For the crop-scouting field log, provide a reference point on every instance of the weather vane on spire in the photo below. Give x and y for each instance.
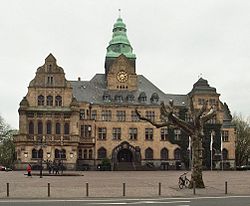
(200, 76)
(119, 13)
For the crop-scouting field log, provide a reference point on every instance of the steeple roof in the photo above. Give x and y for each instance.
(119, 43)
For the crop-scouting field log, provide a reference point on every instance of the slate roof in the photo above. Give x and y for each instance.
(94, 90)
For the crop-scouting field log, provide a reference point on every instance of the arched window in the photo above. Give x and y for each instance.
(225, 154)
(154, 98)
(164, 154)
(85, 154)
(49, 127)
(58, 101)
(57, 153)
(66, 128)
(40, 100)
(31, 127)
(63, 153)
(102, 153)
(40, 127)
(34, 153)
(49, 100)
(40, 153)
(142, 97)
(177, 154)
(58, 128)
(90, 154)
(149, 154)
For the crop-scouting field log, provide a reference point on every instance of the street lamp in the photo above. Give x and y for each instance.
(42, 143)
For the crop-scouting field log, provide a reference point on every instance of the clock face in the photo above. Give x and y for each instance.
(122, 76)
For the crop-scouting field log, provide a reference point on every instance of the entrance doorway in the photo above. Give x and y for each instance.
(124, 155)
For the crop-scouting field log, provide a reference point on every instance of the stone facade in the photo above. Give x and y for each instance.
(81, 123)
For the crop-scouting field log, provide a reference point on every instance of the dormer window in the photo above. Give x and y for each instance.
(142, 97)
(130, 98)
(50, 80)
(154, 98)
(118, 98)
(106, 98)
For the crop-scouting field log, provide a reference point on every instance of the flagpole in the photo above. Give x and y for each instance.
(221, 150)
(190, 153)
(211, 150)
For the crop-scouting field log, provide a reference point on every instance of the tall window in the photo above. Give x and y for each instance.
(116, 133)
(106, 115)
(90, 154)
(121, 116)
(50, 80)
(66, 128)
(82, 114)
(177, 154)
(102, 153)
(134, 117)
(49, 100)
(150, 115)
(85, 154)
(177, 135)
(164, 134)
(40, 100)
(225, 154)
(40, 127)
(149, 153)
(149, 133)
(86, 131)
(102, 133)
(58, 101)
(133, 133)
(49, 127)
(93, 114)
(37, 153)
(164, 154)
(31, 127)
(80, 154)
(60, 154)
(58, 128)
(225, 136)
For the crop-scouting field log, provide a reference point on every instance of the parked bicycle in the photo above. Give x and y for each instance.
(183, 181)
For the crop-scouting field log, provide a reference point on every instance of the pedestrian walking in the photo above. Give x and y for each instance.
(29, 170)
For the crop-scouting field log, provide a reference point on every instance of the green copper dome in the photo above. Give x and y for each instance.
(119, 43)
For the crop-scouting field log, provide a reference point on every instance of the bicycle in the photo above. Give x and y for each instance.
(183, 181)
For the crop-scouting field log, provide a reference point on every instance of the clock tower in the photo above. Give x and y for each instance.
(120, 61)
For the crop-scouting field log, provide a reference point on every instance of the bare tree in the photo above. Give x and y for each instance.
(194, 129)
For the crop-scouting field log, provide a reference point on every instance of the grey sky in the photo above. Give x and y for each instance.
(174, 42)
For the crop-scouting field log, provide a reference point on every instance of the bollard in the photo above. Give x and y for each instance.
(159, 189)
(8, 189)
(194, 187)
(87, 189)
(226, 187)
(48, 189)
(123, 189)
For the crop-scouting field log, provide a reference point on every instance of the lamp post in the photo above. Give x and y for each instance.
(42, 143)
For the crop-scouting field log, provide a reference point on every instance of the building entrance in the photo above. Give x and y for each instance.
(124, 155)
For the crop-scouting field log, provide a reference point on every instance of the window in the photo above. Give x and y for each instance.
(60, 154)
(40, 100)
(58, 101)
(212, 121)
(118, 98)
(66, 128)
(80, 154)
(82, 114)
(177, 135)
(164, 154)
(212, 102)
(150, 115)
(106, 115)
(31, 127)
(149, 153)
(142, 97)
(149, 133)
(116, 133)
(49, 100)
(58, 128)
(90, 154)
(121, 116)
(133, 133)
(40, 128)
(201, 101)
(93, 114)
(102, 133)
(134, 117)
(130, 98)
(164, 134)
(49, 127)
(37, 153)
(225, 136)
(106, 98)
(85, 154)
(188, 117)
(86, 131)
(102, 153)
(225, 154)
(177, 154)
(50, 80)
(154, 98)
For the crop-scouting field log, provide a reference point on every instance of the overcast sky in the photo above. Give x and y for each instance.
(174, 40)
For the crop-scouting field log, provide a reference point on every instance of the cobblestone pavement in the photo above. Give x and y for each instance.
(110, 184)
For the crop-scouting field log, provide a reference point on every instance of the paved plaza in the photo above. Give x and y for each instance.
(110, 184)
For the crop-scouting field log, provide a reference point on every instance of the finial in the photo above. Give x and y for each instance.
(119, 13)
(200, 76)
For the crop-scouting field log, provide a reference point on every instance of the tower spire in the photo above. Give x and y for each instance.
(119, 10)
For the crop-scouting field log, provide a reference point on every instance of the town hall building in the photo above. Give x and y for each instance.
(86, 122)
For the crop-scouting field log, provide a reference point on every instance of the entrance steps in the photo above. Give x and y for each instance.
(124, 166)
